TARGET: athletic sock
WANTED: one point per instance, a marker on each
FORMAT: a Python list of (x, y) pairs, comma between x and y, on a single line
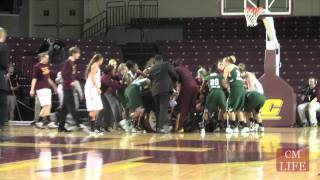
[(232, 124), (237, 123), (242, 124), (224, 124), (45, 120)]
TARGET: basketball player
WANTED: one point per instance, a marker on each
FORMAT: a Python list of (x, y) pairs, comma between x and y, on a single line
[(40, 85), (254, 98), (201, 73), (92, 90), (250, 79), (216, 99), (253, 103), (132, 70), (68, 74), (236, 98), (112, 108), (114, 63), (125, 80), (77, 93), (134, 100)]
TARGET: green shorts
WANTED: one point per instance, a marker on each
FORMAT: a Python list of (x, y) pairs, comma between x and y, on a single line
[(254, 101), (216, 100), (235, 101), (133, 97)]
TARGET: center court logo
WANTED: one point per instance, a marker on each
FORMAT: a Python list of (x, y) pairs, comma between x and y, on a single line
[(271, 109)]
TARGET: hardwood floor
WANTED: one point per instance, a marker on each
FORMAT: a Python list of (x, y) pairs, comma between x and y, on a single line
[(45, 154)]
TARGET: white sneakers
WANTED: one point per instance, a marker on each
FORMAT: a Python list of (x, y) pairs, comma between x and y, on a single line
[(260, 129), (244, 130), (39, 125), (235, 130), (97, 133), (94, 133), (313, 125), (82, 126), (52, 125), (202, 131), (85, 129), (229, 130), (124, 125)]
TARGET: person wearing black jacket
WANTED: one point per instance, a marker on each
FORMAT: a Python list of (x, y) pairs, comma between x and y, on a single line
[(55, 48), (163, 76), (307, 94), (4, 60)]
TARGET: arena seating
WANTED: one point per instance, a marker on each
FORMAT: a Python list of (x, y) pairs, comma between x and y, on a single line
[(208, 39), (205, 41), (201, 52), (227, 28), (23, 53)]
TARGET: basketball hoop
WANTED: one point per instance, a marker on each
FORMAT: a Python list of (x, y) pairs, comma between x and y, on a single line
[(252, 15)]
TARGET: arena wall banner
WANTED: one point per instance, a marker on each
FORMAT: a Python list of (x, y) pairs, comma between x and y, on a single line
[(279, 109)]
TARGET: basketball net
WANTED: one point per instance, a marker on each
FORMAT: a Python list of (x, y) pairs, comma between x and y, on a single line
[(252, 14)]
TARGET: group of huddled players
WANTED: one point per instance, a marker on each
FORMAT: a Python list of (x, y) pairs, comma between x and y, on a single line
[(227, 98), (235, 96)]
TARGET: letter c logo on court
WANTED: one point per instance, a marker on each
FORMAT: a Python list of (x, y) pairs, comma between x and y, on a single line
[(271, 109)]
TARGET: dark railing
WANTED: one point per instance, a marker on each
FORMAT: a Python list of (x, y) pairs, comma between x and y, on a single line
[(95, 25), (149, 12), (120, 13), (116, 13), (149, 9), (143, 12), (134, 12)]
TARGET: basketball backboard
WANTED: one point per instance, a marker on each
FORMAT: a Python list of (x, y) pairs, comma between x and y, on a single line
[(272, 7)]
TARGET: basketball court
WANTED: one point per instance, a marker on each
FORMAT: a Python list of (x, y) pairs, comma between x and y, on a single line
[(37, 154), (47, 154)]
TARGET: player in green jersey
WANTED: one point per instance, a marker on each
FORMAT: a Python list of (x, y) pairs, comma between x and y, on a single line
[(254, 102), (216, 98), (236, 98), (134, 99)]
